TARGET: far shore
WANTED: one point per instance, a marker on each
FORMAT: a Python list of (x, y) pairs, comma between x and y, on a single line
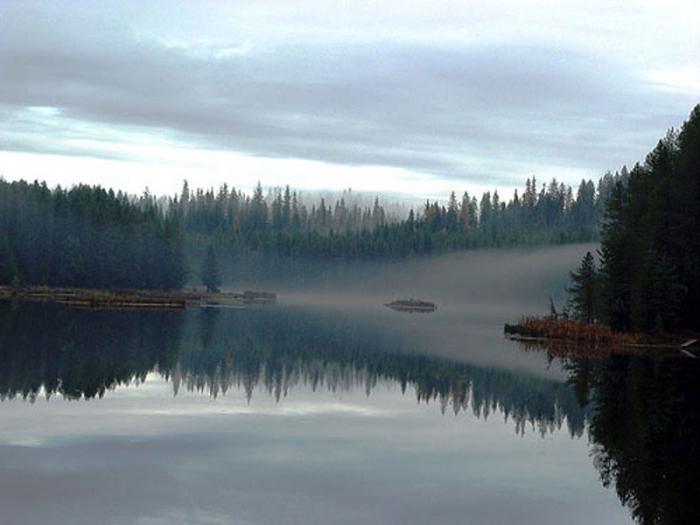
[(112, 299)]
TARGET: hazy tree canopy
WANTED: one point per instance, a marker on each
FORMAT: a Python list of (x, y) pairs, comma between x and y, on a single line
[(651, 239), (280, 225), (87, 236)]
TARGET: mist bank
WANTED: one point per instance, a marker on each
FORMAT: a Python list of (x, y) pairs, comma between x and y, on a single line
[(253, 236), (476, 292), (93, 237), (479, 281)]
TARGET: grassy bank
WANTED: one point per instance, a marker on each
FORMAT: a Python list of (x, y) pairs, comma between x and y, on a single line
[(565, 336), (568, 330)]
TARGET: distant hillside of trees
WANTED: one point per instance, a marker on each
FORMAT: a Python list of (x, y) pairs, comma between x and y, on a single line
[(649, 274), (280, 225), (276, 232), (89, 236)]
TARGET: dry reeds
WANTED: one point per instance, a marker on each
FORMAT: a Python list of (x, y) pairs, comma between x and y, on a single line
[(568, 330)]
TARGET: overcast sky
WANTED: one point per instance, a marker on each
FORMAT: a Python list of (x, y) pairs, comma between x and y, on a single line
[(404, 97)]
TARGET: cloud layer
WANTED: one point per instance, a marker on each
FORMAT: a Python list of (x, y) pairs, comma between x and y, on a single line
[(486, 109)]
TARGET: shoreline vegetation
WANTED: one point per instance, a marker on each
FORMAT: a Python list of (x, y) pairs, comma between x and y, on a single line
[(551, 328), (566, 336), (645, 278), (642, 288), (131, 299)]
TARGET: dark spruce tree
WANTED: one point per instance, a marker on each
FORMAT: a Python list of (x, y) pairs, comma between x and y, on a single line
[(651, 239), (585, 291), (211, 276)]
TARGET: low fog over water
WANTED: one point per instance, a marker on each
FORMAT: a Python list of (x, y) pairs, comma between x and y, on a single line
[(327, 407), (473, 280), (475, 292)]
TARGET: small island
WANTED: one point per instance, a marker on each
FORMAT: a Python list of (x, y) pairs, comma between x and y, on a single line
[(412, 305)]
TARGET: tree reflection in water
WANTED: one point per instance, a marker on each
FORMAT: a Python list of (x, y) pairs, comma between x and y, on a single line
[(645, 430), (641, 413), (81, 354), (644, 426)]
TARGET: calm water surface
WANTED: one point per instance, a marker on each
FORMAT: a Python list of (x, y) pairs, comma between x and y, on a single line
[(306, 413)]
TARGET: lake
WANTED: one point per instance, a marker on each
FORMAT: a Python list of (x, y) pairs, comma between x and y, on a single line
[(326, 410)]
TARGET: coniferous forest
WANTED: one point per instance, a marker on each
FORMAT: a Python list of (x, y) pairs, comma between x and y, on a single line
[(89, 236), (277, 224), (380, 262), (648, 279)]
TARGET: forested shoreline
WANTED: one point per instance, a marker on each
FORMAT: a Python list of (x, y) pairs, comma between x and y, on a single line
[(87, 237), (647, 219), (278, 224), (93, 237), (648, 276)]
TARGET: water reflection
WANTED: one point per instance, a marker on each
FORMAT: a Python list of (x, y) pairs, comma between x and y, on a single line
[(82, 354), (640, 414), (645, 431)]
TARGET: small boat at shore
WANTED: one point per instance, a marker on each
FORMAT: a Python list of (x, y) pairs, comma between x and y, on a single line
[(412, 305)]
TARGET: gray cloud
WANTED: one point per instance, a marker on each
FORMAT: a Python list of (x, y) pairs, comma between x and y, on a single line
[(479, 112)]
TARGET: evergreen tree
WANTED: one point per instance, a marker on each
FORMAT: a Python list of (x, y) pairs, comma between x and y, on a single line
[(88, 237), (211, 277), (91, 237), (175, 274), (584, 290), (651, 238)]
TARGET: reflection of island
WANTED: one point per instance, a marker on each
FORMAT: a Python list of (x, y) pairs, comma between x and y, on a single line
[(82, 354)]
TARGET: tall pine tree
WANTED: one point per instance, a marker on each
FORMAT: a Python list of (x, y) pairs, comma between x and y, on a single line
[(585, 290)]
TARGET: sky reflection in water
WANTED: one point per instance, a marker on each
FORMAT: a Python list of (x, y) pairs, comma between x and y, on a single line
[(326, 451)]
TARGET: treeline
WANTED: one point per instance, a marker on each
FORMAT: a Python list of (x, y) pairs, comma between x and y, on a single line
[(278, 224), (648, 278), (92, 237), (88, 237)]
